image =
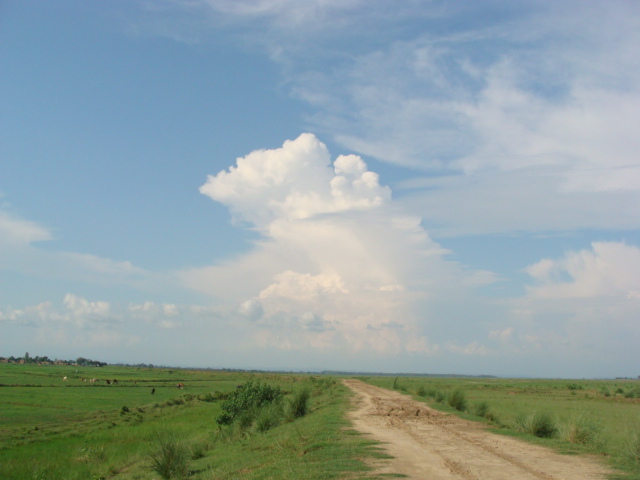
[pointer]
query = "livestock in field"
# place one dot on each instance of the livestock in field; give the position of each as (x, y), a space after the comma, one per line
(180, 386)
(153, 390)
(64, 379)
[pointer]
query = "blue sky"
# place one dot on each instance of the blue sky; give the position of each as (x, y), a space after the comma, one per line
(423, 186)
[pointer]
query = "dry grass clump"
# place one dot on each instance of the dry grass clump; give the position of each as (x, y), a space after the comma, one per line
(580, 430)
(539, 424)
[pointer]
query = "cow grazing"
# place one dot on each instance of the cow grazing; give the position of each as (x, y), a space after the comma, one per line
(153, 390)
(115, 382)
(64, 379)
(108, 382)
(180, 386)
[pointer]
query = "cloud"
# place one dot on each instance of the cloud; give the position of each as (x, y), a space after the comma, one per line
(584, 304)
(338, 265)
(608, 269)
(16, 231)
(20, 252)
(503, 111)
(293, 182)
(505, 118)
(78, 312)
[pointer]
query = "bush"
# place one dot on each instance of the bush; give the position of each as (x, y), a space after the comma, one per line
(580, 430)
(245, 398)
(541, 425)
(457, 400)
(168, 457)
(633, 393)
(439, 397)
(421, 392)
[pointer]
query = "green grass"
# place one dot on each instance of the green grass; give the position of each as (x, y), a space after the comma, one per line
(50, 429)
(600, 417)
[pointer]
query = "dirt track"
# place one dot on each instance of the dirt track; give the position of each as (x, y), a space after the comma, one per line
(427, 444)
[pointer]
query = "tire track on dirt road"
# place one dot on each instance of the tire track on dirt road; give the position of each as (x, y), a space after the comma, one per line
(428, 444)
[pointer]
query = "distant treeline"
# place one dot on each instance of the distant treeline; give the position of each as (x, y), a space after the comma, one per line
(44, 360)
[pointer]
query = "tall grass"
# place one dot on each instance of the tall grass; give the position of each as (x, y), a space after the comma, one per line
(268, 417)
(169, 457)
(481, 409)
(539, 424)
(298, 404)
(457, 400)
(631, 445)
(581, 430)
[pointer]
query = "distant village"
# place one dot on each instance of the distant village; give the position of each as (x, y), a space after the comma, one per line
(28, 359)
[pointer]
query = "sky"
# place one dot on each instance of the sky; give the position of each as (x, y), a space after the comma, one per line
(422, 186)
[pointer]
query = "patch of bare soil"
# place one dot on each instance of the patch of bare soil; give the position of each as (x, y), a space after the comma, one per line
(428, 444)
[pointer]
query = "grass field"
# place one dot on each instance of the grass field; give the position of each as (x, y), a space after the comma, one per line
(52, 429)
(55, 429)
(598, 417)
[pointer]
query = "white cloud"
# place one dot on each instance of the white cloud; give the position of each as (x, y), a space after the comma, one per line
(20, 252)
(293, 182)
(17, 231)
(534, 111)
(608, 269)
(81, 310)
(338, 266)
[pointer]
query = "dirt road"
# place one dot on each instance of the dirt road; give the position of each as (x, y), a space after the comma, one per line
(427, 444)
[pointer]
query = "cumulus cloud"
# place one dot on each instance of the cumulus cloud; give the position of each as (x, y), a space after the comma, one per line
(607, 269)
(78, 312)
(338, 266)
(293, 183)
(584, 303)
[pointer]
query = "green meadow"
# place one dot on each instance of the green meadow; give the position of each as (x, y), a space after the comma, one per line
(595, 417)
(55, 429)
(232, 425)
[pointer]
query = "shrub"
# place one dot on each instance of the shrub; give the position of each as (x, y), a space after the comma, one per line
(168, 457)
(539, 424)
(245, 398)
(633, 393)
(421, 392)
(580, 430)
(438, 397)
(457, 400)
